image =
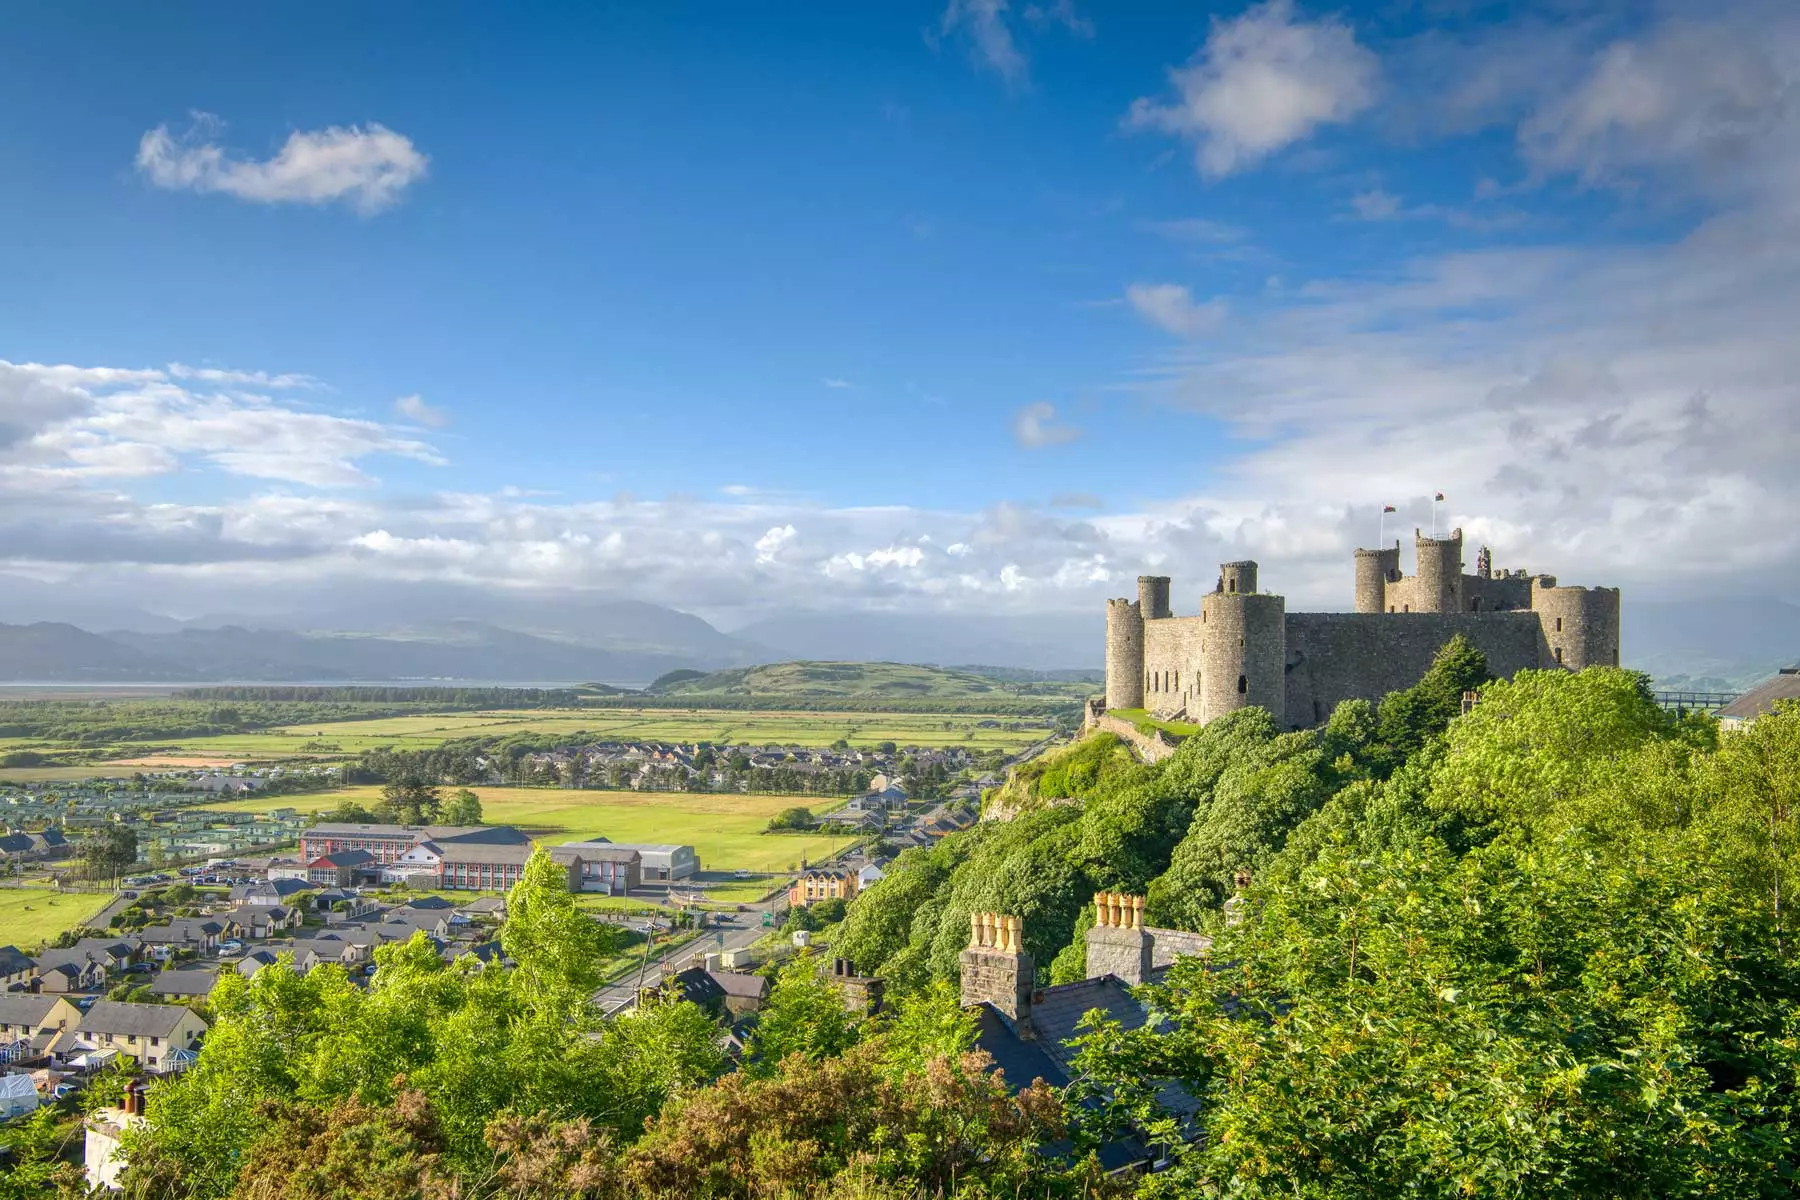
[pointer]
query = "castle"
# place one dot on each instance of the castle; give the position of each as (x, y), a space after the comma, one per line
(1244, 648)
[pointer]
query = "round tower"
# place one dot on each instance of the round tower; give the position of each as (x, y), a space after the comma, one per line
(1243, 648)
(1124, 654)
(1153, 597)
(1439, 586)
(1237, 578)
(1581, 625)
(1373, 570)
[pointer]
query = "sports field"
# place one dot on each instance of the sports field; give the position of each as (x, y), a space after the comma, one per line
(29, 916)
(755, 728)
(725, 829)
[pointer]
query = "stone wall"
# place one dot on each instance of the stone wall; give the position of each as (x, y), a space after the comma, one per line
(1172, 667)
(1342, 656)
(1150, 747)
(1124, 654)
(1580, 626)
(1243, 654)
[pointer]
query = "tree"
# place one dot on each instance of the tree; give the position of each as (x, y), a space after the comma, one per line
(409, 800)
(464, 808)
(110, 851)
(791, 818)
(804, 1015)
(348, 812)
(1755, 788)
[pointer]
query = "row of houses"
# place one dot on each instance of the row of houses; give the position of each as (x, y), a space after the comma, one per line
(158, 1037)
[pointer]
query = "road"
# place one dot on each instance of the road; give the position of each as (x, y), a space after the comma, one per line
(747, 927)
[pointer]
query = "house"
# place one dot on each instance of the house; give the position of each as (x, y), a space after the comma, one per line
(664, 862)
(870, 873)
(34, 847)
(814, 886)
(268, 891)
(485, 908)
(255, 961)
(600, 867)
(32, 1025)
(344, 868)
(65, 975)
(185, 983)
(114, 953)
(1030, 1032)
(158, 1036)
(883, 798)
(17, 969)
(18, 1096)
(260, 920)
(185, 933)
(1759, 700)
(311, 952)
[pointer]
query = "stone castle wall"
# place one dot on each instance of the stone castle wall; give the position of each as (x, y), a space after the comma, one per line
(1243, 652)
(1334, 657)
(1172, 666)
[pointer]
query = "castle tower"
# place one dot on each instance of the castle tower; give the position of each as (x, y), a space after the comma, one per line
(1237, 578)
(1581, 625)
(1243, 647)
(1439, 587)
(1374, 568)
(1124, 654)
(1118, 944)
(1153, 597)
(995, 968)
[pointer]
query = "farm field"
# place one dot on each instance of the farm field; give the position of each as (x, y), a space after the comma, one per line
(725, 829)
(29, 916)
(422, 732)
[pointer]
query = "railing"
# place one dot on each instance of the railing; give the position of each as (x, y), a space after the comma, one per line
(1695, 701)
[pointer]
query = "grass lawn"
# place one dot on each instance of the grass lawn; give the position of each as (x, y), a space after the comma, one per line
(29, 916)
(1144, 722)
(725, 829)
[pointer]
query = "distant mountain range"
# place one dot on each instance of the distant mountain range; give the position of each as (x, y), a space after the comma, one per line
(1714, 644)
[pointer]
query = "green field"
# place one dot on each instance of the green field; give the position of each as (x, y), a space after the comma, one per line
(725, 829)
(29, 916)
(870, 681)
(346, 738)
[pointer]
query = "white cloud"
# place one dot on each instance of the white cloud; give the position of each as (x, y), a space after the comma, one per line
(831, 382)
(1035, 427)
(367, 167)
(251, 378)
(1172, 307)
(983, 22)
(1260, 83)
(1060, 13)
(770, 544)
(84, 422)
(414, 408)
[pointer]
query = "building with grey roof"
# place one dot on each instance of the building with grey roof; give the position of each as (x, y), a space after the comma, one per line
(1759, 700)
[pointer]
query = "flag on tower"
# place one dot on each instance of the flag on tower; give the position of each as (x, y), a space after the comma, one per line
(1440, 495)
(1387, 508)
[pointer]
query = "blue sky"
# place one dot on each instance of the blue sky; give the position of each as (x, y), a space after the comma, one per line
(901, 305)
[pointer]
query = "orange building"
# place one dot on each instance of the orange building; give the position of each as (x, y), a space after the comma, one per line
(815, 886)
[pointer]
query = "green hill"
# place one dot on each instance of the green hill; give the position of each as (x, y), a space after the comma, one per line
(862, 680)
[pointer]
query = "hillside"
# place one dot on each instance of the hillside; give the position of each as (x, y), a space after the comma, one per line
(863, 680)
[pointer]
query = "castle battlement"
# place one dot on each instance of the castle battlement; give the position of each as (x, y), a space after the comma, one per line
(1245, 649)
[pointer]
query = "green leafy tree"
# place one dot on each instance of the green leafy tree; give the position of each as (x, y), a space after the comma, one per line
(463, 808)
(791, 818)
(410, 800)
(1754, 809)
(110, 851)
(348, 812)
(804, 1015)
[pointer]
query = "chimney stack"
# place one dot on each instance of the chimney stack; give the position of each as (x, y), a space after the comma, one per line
(1118, 944)
(996, 969)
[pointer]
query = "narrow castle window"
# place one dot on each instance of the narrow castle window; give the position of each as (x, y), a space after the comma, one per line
(1559, 656)
(1559, 627)
(1475, 604)
(1243, 685)
(1233, 586)
(1390, 608)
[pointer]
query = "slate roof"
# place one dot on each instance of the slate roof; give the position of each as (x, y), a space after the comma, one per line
(741, 984)
(132, 1020)
(1170, 944)
(21, 1008)
(255, 961)
(429, 904)
(185, 981)
(1763, 697)
(343, 858)
(14, 960)
(466, 850)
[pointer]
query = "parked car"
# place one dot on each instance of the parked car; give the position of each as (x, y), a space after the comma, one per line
(740, 873)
